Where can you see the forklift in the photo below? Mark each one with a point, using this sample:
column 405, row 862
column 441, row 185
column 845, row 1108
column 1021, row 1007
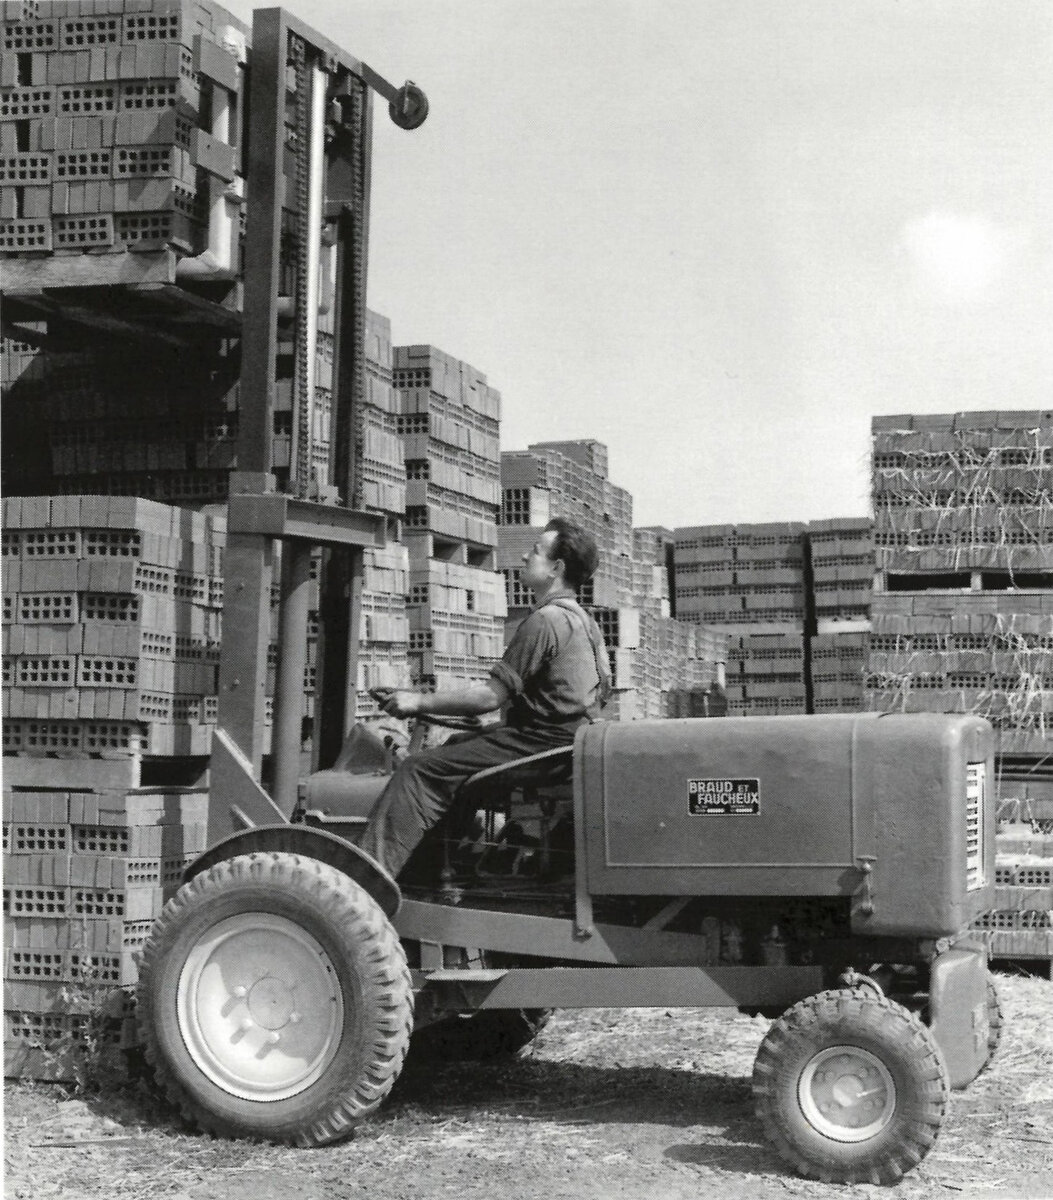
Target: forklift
column 821, row 871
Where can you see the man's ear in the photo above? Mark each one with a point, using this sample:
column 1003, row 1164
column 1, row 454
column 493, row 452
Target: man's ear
column 561, row 567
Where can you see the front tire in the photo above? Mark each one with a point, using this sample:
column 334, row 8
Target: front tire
column 274, row 1000
column 995, row 1020
column 850, row 1088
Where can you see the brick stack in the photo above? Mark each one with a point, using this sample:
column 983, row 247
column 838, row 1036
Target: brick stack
column 112, row 128
column 652, row 556
column 119, row 420
column 766, row 674
column 988, row 653
column 111, row 626
column 456, row 614
column 384, row 626
column 842, row 564
column 963, row 618
column 383, row 461
column 86, row 872
column 449, row 423
column 729, row 575
column 568, row 479
column 111, row 648
column 965, row 492
column 842, row 558
column 1021, row 924
column 661, row 667
column 749, row 582
column 838, row 668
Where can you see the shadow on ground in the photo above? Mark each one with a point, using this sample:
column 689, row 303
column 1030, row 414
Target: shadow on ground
column 572, row 1091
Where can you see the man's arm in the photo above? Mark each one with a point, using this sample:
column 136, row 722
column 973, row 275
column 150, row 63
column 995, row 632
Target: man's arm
column 472, row 701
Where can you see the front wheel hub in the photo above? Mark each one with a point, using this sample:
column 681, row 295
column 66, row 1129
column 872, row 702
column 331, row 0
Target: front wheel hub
column 260, row 1007
column 847, row 1093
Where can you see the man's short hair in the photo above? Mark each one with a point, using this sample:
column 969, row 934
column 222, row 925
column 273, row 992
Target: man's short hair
column 577, row 550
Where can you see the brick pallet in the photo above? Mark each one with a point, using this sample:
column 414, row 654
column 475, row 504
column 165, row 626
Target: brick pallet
column 574, row 475
column 838, row 662
column 110, row 420
column 449, row 423
column 740, row 575
column 767, row 674
column 841, row 553
column 661, row 666
column 989, row 653
column 1020, row 926
column 100, row 124
column 963, row 492
column 86, row 872
column 963, row 620
column 111, row 626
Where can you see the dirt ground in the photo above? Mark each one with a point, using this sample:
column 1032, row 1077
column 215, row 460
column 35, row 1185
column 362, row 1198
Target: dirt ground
column 623, row 1104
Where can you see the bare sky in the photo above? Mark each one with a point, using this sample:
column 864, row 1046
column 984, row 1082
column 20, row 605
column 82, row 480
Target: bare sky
column 719, row 235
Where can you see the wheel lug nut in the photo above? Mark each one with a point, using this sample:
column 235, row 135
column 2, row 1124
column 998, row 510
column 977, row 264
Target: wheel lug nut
column 295, row 1018
column 274, row 1038
column 240, row 992
column 245, row 1024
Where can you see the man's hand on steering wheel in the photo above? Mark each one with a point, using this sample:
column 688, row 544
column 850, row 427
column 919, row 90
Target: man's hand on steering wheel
column 396, row 702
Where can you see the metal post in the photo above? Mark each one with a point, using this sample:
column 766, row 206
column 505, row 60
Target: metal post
column 292, row 663
column 266, row 158
column 220, row 216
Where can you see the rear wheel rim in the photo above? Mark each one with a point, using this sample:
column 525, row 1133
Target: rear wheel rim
column 847, row 1093
column 260, row 1007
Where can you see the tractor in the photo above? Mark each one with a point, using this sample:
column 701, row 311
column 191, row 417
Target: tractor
column 822, row 871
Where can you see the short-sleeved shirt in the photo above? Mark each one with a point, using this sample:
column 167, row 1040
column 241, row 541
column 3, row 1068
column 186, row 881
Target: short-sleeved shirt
column 549, row 668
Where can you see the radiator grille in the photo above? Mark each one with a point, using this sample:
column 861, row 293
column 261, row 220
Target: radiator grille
column 975, row 788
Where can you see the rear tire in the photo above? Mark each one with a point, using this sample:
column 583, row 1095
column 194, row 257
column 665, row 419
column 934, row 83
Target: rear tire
column 274, row 1000
column 850, row 1088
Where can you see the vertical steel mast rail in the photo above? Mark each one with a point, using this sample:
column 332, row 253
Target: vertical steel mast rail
column 330, row 145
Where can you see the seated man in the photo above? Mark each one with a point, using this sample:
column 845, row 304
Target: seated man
column 553, row 677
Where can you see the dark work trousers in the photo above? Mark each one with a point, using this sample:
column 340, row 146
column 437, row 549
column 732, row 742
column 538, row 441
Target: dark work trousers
column 424, row 787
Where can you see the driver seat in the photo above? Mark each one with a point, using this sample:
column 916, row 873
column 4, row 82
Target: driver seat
column 537, row 796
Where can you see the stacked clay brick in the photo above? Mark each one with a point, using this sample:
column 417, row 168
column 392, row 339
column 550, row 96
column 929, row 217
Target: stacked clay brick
column 964, row 546
column 118, row 420
column 449, row 422
column 111, row 626
column 661, row 667
column 86, row 872
column 1021, row 923
column 569, row 479
column 101, row 105
column 749, row 581
column 110, row 650
column 842, row 568
column 963, row 618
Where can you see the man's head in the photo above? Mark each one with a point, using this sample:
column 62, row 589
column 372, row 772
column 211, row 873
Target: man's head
column 563, row 556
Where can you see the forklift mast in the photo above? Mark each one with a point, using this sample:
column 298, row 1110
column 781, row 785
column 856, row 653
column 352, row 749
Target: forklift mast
column 309, row 135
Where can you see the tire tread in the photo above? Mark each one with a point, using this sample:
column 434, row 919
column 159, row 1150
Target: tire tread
column 916, row 1127
column 388, row 983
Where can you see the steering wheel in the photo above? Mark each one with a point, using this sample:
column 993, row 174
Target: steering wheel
column 463, row 724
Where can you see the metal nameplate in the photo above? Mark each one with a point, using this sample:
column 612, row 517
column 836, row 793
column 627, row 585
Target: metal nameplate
column 723, row 797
